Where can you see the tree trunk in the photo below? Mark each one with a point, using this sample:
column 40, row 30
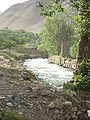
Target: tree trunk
column 84, row 49
column 62, row 45
column 84, row 43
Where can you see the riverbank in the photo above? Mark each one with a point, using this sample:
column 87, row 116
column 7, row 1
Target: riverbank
column 65, row 62
column 22, row 92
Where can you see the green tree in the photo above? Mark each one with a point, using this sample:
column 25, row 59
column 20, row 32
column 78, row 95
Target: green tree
column 6, row 38
column 57, row 35
column 9, row 38
column 73, row 50
column 82, row 21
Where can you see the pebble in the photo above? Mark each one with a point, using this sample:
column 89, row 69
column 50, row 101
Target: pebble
column 88, row 104
column 45, row 92
column 30, row 105
column 27, row 90
column 20, row 113
column 10, row 104
column 19, row 106
column 2, row 97
column 51, row 105
column 67, row 105
column 32, row 96
column 1, row 74
column 16, row 99
column 14, row 82
column 9, row 96
column 56, row 112
column 35, row 89
column 88, row 112
column 79, row 113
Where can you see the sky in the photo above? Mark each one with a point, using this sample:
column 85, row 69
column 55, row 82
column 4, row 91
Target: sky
column 4, row 4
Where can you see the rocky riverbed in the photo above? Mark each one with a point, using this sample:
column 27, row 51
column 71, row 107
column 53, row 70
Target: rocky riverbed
column 21, row 91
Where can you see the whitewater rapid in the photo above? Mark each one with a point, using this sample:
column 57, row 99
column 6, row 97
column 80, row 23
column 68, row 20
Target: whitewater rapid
column 51, row 74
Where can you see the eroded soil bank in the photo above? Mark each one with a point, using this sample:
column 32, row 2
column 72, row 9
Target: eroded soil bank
column 21, row 91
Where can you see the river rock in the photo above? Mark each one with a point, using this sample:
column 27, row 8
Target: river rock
column 88, row 112
column 67, row 105
column 35, row 89
column 46, row 92
column 9, row 104
column 9, row 96
column 14, row 82
column 61, row 90
column 51, row 105
column 33, row 96
column 56, row 112
column 88, row 104
column 25, row 76
column 1, row 74
column 16, row 99
column 20, row 113
column 19, row 106
column 30, row 105
column 2, row 97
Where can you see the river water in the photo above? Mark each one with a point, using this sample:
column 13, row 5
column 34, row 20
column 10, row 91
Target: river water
column 51, row 74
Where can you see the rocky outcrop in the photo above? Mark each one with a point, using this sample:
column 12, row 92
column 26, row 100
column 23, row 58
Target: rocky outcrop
column 65, row 62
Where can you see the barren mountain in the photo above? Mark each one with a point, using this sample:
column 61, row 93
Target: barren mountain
column 24, row 15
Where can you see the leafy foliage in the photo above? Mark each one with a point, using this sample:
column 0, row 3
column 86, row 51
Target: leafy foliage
column 82, row 78
column 82, row 6
column 83, row 17
column 54, row 7
column 73, row 50
column 9, row 38
column 56, row 30
column 13, row 116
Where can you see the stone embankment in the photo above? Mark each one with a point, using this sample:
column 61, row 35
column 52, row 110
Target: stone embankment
column 21, row 91
column 65, row 62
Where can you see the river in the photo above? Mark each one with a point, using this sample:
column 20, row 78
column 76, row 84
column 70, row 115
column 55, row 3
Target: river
column 51, row 74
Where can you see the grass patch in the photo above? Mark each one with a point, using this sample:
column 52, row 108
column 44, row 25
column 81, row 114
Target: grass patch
column 9, row 115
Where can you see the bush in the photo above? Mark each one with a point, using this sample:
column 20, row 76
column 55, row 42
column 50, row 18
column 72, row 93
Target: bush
column 82, row 78
column 69, row 86
column 13, row 116
column 73, row 50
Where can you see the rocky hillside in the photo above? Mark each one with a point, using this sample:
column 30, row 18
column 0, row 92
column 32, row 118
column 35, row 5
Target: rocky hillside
column 24, row 15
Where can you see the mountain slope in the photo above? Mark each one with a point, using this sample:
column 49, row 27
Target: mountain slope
column 22, row 16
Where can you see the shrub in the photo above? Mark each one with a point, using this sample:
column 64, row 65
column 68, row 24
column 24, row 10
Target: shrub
column 69, row 86
column 73, row 50
column 82, row 77
column 14, row 116
column 81, row 80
